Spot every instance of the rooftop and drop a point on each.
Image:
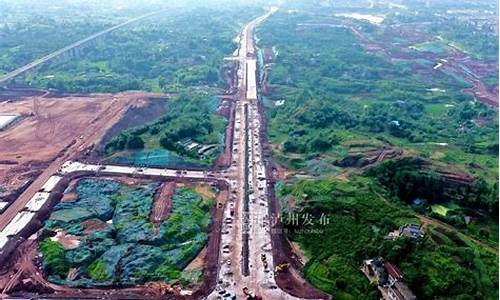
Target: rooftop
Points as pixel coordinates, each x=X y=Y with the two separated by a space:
x=412 y=231
x=403 y=291
x=393 y=271
x=6 y=119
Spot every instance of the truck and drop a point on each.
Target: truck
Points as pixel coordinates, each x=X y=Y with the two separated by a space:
x=250 y=295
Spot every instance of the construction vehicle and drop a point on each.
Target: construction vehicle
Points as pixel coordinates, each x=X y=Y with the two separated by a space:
x=281 y=268
x=264 y=260
x=249 y=295
x=164 y=288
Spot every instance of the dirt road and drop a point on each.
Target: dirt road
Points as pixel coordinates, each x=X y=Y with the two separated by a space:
x=162 y=206
x=75 y=146
x=426 y=221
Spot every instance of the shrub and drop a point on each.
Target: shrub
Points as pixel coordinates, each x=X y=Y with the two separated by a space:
x=54 y=258
x=97 y=271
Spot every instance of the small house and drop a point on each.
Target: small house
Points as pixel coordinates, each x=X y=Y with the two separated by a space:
x=413 y=231
x=374 y=269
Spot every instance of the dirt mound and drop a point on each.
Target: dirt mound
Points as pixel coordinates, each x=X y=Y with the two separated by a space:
x=365 y=155
x=162 y=206
x=93 y=225
x=144 y=112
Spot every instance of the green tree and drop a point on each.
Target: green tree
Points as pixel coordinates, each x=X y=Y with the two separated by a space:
x=54 y=258
x=135 y=142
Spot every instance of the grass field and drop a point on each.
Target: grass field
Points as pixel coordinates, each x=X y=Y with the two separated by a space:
x=440 y=209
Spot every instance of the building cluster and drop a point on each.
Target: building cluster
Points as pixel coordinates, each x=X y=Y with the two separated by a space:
x=386 y=275
x=412 y=231
x=202 y=150
x=388 y=278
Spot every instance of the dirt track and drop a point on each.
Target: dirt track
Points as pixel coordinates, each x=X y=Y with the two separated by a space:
x=162 y=206
x=224 y=160
x=426 y=221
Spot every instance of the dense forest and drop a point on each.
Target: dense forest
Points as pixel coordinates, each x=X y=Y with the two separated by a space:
x=409 y=179
x=32 y=29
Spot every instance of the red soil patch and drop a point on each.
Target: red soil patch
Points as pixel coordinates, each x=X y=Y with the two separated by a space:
x=90 y=226
x=69 y=197
x=162 y=206
x=48 y=128
x=55 y=130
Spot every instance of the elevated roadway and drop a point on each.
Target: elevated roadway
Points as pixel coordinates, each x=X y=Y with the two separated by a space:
x=48 y=57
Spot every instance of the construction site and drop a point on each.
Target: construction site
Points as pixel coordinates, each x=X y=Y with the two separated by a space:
x=50 y=129
x=74 y=226
x=435 y=57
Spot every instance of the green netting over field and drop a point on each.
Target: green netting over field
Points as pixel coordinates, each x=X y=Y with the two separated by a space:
x=118 y=244
x=154 y=158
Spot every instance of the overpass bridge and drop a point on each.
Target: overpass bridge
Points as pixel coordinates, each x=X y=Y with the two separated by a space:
x=70 y=48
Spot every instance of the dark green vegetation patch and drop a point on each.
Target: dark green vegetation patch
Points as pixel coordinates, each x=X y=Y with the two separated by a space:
x=175 y=49
x=334 y=98
x=476 y=202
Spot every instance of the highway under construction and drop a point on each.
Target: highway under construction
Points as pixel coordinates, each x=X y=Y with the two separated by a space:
x=248 y=259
